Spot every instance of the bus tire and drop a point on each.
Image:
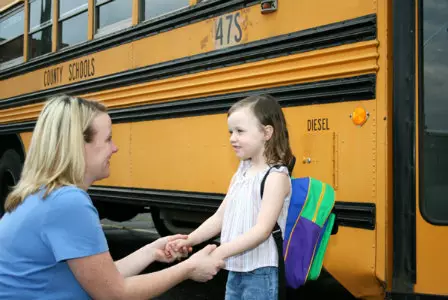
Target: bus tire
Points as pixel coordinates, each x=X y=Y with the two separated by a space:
x=159 y=223
x=117 y=212
x=10 y=171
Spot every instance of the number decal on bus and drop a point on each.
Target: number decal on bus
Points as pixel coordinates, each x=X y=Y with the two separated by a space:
x=228 y=30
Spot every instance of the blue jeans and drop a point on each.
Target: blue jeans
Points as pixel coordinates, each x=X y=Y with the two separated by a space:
x=259 y=284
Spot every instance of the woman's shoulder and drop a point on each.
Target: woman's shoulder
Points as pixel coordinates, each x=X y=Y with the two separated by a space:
x=70 y=194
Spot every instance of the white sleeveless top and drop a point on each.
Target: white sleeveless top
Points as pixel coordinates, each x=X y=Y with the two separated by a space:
x=240 y=215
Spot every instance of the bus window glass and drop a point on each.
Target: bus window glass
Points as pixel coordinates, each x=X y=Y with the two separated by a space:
x=156 y=8
x=40 y=42
x=40 y=37
x=435 y=110
x=67 y=6
x=73 y=22
x=12 y=25
x=11 y=37
x=73 y=31
x=115 y=12
x=40 y=13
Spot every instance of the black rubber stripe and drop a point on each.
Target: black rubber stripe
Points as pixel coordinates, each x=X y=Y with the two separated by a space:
x=328 y=91
x=348 y=214
x=354 y=214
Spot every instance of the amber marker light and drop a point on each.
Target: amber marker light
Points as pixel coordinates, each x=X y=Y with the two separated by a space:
x=359 y=116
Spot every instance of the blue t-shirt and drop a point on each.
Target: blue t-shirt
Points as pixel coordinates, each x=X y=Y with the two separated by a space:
x=39 y=236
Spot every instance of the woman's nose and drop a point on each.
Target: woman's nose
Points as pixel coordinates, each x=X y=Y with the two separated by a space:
x=114 y=148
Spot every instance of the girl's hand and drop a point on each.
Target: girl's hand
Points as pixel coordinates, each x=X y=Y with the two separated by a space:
x=182 y=246
x=161 y=256
x=158 y=247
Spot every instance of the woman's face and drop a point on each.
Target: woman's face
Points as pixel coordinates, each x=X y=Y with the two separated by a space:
x=99 y=151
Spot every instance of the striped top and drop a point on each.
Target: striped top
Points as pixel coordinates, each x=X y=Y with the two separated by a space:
x=240 y=215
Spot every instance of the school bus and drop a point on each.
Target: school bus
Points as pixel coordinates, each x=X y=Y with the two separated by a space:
x=362 y=86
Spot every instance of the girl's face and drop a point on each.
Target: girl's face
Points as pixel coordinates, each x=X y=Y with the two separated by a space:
x=247 y=136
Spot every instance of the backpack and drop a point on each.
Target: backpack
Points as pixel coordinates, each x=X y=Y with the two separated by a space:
x=309 y=224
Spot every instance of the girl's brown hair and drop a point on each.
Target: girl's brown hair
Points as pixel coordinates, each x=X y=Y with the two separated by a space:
x=268 y=112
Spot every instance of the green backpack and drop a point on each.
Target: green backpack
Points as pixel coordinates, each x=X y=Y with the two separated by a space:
x=309 y=224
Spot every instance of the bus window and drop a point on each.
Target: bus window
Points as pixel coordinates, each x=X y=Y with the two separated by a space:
x=67 y=6
x=40 y=27
x=435 y=111
x=112 y=15
x=72 y=22
x=155 y=8
x=11 y=38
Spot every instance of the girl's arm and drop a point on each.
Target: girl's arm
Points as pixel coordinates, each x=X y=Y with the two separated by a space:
x=209 y=229
x=276 y=189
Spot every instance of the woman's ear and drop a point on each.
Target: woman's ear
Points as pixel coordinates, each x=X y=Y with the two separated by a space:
x=268 y=132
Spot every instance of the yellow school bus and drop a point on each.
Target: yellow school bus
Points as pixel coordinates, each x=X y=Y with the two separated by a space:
x=362 y=86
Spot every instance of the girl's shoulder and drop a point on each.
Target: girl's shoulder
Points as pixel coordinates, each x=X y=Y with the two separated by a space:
x=279 y=168
x=243 y=166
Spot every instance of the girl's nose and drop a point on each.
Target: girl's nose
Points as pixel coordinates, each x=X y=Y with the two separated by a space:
x=232 y=137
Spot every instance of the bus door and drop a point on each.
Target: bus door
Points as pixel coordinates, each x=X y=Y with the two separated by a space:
x=420 y=143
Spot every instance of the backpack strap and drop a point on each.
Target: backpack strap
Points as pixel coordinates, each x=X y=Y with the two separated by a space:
x=266 y=176
x=277 y=235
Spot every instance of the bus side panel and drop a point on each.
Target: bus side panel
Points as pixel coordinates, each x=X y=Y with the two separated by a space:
x=384 y=142
x=194 y=154
x=26 y=140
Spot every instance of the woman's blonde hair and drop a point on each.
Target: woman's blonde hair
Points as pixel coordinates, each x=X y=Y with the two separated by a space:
x=56 y=154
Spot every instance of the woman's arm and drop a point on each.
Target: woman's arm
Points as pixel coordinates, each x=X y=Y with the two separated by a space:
x=99 y=276
x=276 y=189
x=137 y=261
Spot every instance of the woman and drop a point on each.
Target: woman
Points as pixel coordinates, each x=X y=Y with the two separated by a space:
x=52 y=243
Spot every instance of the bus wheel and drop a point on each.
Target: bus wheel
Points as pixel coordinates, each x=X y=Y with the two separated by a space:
x=117 y=212
x=159 y=223
x=10 y=170
x=169 y=222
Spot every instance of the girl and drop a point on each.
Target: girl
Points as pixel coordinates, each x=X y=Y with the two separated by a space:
x=259 y=137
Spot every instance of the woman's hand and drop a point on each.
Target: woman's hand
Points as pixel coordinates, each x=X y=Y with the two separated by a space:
x=182 y=246
x=158 y=248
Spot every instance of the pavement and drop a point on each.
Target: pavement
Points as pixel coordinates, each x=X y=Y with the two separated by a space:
x=125 y=237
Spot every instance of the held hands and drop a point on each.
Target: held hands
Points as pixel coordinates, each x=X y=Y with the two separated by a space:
x=158 y=249
x=204 y=266
x=178 y=247
x=182 y=247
